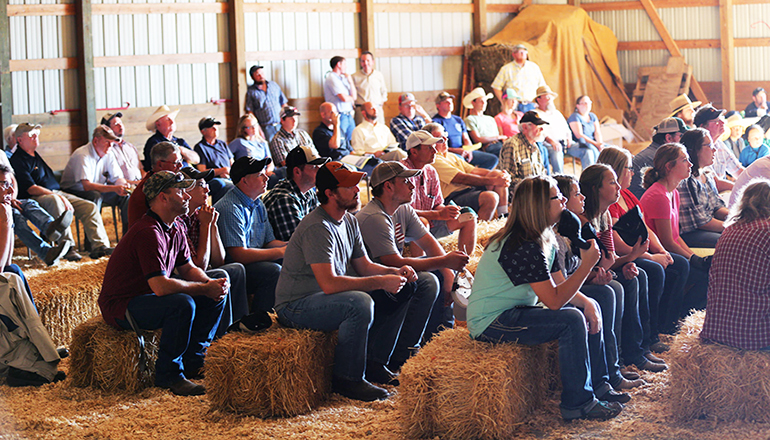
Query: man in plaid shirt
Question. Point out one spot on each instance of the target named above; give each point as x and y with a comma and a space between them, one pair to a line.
411, 117
521, 155
288, 137
294, 197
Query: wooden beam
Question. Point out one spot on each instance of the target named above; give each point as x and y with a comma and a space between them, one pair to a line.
366, 24
422, 7
301, 7
85, 45
479, 21
726, 32
633, 4
159, 8
279, 55
40, 10
162, 59
237, 56
43, 64
660, 45
503, 8
6, 90
420, 51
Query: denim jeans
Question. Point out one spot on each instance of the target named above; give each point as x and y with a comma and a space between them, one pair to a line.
188, 323
701, 239
351, 312
586, 155
537, 325
670, 304
442, 314
31, 210
261, 279
494, 148
398, 327
631, 332
270, 130
347, 124
610, 299
555, 157
649, 309
236, 303
484, 160
219, 187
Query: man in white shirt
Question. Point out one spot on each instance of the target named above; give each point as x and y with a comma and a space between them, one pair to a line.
370, 87
521, 75
373, 137
126, 155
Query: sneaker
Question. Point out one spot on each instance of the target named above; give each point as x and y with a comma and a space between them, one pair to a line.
659, 347
101, 251
378, 373
252, 323
628, 374
57, 252
72, 255
614, 396
56, 228
359, 390
652, 366
626, 384
184, 387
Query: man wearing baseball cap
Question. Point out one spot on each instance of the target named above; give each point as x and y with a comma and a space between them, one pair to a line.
125, 153
246, 232
214, 156
411, 116
725, 162
524, 155
521, 75
667, 131
139, 292
457, 133
294, 197
386, 223
264, 100
288, 137
326, 277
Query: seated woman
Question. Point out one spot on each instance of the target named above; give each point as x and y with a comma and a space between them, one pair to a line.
755, 137
660, 204
602, 190
701, 210
482, 128
599, 286
508, 118
249, 142
519, 295
586, 130
737, 309
666, 272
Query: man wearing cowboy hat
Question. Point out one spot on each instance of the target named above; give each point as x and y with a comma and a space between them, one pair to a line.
125, 153
521, 155
681, 107
521, 75
482, 128
411, 116
725, 162
758, 105
162, 122
457, 133
264, 99
669, 130
557, 134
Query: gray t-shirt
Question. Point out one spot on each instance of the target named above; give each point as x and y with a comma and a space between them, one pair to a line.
318, 239
385, 235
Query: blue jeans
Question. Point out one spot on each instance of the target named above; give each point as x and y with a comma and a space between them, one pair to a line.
631, 332
270, 130
442, 314
347, 124
351, 312
236, 303
494, 148
261, 279
671, 301
188, 323
556, 157
31, 210
537, 325
648, 310
484, 160
526, 107
586, 155
219, 187
610, 299
701, 239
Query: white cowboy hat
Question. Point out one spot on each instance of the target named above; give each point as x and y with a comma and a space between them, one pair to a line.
160, 112
478, 92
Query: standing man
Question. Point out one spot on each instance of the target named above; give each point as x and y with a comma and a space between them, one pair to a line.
521, 75
758, 105
264, 100
163, 122
340, 91
521, 155
138, 281
411, 117
288, 137
681, 107
370, 87
125, 153
215, 156
457, 133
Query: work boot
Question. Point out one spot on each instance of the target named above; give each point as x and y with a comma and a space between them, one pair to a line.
55, 253
56, 228
184, 387
359, 390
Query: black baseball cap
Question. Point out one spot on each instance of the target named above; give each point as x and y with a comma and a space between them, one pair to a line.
532, 117
207, 122
705, 114
192, 173
247, 165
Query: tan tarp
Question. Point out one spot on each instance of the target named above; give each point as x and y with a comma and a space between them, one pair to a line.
554, 36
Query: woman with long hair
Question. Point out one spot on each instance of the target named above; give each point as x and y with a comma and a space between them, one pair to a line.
248, 139
519, 295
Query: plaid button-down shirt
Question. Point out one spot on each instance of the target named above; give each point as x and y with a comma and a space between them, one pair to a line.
697, 202
283, 142
402, 127
521, 159
287, 206
266, 105
725, 161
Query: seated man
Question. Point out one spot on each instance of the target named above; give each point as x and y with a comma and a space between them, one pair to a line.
165, 156
457, 133
558, 135
326, 277
294, 197
247, 235
411, 117
482, 128
93, 174
125, 153
523, 155
669, 130
681, 107
288, 137
372, 137
330, 142
386, 222
36, 180
486, 191
163, 122
758, 105
138, 287
215, 156
725, 162
427, 200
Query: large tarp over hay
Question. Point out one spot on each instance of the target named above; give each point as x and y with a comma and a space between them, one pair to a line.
554, 36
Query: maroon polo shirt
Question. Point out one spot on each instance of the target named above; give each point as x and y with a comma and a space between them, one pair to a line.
149, 249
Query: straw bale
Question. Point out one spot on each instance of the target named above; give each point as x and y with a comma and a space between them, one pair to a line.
716, 381
66, 296
107, 358
484, 230
281, 372
458, 388
486, 62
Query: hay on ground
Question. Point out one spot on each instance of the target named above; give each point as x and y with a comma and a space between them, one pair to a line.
281, 372
716, 381
458, 388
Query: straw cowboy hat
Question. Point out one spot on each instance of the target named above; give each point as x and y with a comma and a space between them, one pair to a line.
160, 112
478, 92
680, 102
545, 90
735, 120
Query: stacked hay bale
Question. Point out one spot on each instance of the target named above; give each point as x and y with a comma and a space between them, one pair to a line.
486, 62
458, 388
280, 372
484, 230
66, 296
716, 381
106, 358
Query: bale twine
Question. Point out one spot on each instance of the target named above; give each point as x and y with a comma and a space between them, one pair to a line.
66, 296
716, 381
281, 372
458, 388
107, 358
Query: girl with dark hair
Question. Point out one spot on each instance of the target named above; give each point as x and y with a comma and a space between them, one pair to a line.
755, 148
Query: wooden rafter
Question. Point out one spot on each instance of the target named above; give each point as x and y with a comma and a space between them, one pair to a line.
237, 56
727, 44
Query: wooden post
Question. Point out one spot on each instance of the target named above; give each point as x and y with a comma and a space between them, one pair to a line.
85, 44
479, 21
727, 50
366, 23
6, 92
237, 57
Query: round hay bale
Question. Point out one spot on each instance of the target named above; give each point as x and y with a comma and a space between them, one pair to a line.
81, 369
281, 372
458, 388
716, 381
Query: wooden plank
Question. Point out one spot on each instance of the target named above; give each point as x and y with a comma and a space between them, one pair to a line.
43, 64
422, 7
479, 21
279, 55
420, 52
160, 8
237, 55
162, 59
85, 45
660, 45
6, 88
727, 52
39, 10
659, 91
503, 8
302, 7
366, 25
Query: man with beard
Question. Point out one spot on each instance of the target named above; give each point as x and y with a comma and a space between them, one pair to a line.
373, 137
264, 99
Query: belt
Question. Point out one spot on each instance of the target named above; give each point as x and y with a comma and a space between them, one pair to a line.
271, 125
347, 113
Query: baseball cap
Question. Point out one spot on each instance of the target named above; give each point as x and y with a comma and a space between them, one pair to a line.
757, 90
104, 131
247, 165
254, 68
163, 180
389, 170
406, 97
443, 96
670, 125
705, 114
289, 111
420, 137
109, 117
304, 154
26, 127
192, 173
518, 47
532, 117
334, 175
207, 122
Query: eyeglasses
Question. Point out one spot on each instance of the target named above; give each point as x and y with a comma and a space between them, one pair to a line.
4, 184
175, 163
